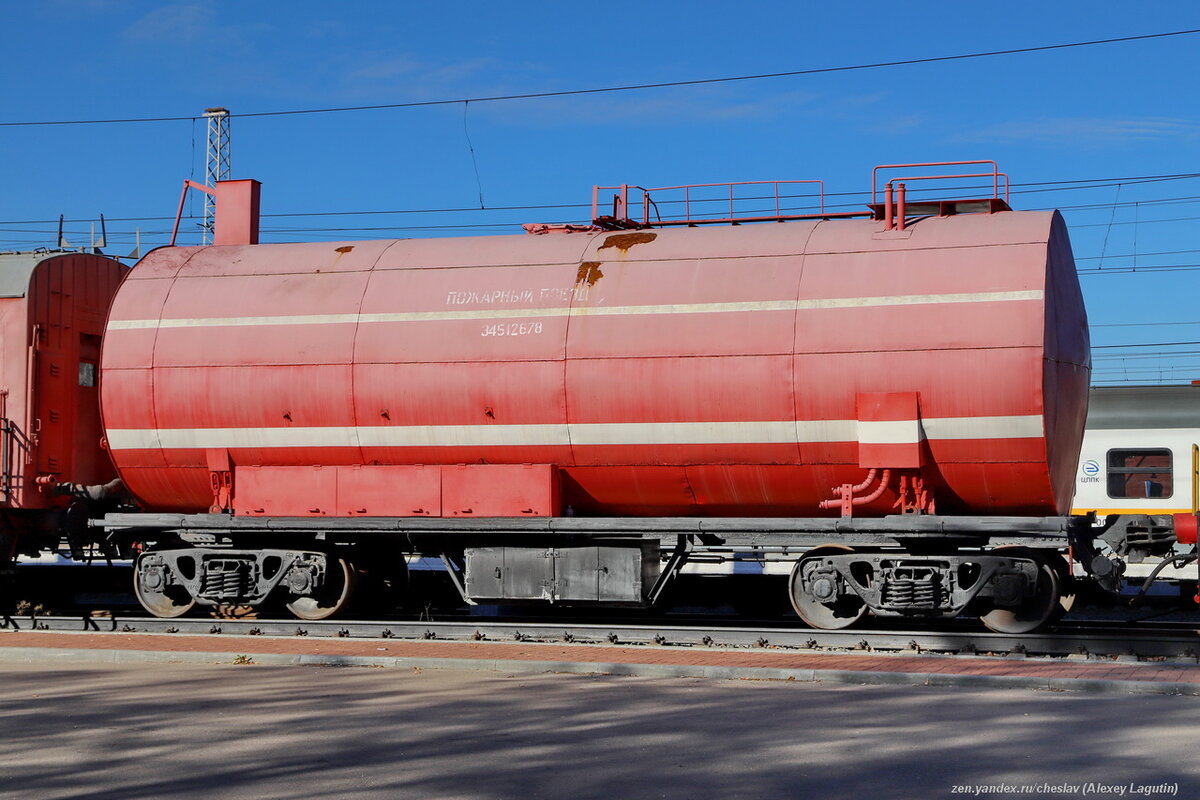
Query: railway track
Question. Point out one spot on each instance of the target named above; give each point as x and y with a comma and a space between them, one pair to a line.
1140, 641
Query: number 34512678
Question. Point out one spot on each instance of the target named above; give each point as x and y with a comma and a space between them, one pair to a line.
511, 329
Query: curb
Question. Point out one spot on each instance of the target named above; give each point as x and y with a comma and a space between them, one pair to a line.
27, 655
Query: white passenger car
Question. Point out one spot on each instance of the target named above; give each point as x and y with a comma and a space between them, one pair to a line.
1139, 452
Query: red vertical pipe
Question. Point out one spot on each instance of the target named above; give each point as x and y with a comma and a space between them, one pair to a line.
887, 208
900, 206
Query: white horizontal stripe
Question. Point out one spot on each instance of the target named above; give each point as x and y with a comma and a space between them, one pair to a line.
374, 436
136, 324
200, 438
684, 308
463, 435
921, 299
906, 431
583, 434
1024, 427
683, 433
826, 430
581, 311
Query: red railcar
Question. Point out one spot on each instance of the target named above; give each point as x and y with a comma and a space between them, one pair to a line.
52, 314
730, 371
911, 371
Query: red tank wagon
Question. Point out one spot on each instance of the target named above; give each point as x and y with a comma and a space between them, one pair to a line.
52, 315
724, 371
591, 389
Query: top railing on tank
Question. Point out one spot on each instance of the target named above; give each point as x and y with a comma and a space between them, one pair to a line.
633, 206
709, 204
896, 206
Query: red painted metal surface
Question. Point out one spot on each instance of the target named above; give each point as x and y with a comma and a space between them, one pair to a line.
895, 413
52, 310
1186, 528
461, 490
710, 371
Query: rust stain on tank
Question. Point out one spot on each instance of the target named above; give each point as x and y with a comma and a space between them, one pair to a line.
346, 248
624, 241
589, 272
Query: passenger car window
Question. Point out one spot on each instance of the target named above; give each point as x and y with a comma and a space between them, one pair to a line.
1141, 473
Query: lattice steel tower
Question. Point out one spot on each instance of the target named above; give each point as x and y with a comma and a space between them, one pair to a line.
216, 162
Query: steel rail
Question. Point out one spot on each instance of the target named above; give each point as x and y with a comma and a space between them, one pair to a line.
1130, 642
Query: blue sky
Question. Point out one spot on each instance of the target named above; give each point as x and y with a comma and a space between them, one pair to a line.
1091, 115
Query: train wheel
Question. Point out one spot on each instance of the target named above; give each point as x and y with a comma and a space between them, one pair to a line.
332, 598
157, 596
1035, 611
842, 612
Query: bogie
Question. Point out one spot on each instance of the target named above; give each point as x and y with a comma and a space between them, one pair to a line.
236, 582
1020, 589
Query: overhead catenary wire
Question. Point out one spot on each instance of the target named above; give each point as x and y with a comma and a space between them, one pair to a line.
1135, 223
1133, 369
1018, 188
633, 87
1131, 255
1109, 360
1140, 324
1146, 344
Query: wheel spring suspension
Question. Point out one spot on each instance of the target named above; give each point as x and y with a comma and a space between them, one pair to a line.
226, 579
914, 592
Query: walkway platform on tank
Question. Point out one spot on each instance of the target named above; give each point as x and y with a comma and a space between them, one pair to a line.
1051, 674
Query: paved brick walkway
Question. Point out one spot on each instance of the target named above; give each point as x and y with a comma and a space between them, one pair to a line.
496, 653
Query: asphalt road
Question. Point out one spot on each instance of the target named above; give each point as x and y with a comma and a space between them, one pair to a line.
205, 731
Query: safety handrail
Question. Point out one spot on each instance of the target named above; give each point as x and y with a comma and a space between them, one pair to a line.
621, 200
892, 210
14, 452
996, 194
995, 175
